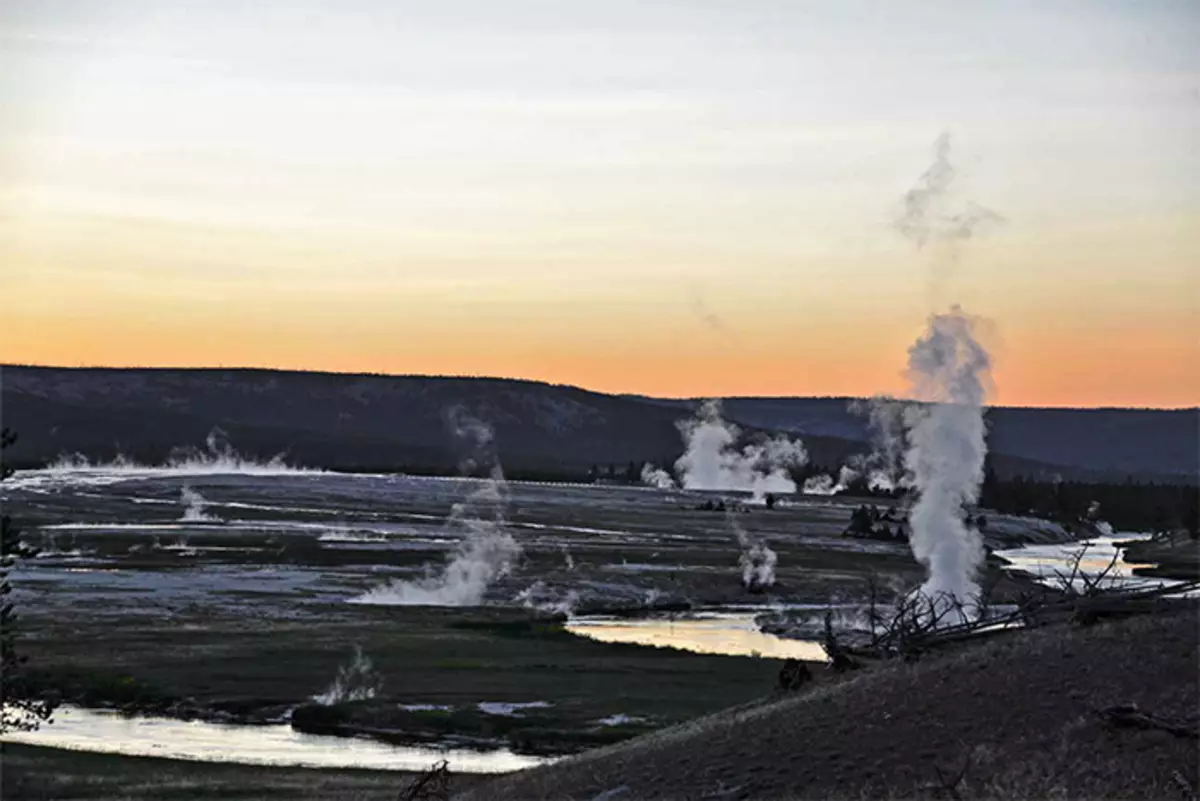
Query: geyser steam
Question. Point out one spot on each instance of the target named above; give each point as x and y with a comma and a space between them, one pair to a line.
194, 505
653, 476
826, 485
757, 559
949, 373
486, 551
711, 460
217, 457
883, 468
950, 370
356, 681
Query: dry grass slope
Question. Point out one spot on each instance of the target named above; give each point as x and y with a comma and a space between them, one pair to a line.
29, 773
1021, 710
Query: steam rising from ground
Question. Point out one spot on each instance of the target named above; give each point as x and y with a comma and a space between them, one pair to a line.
711, 460
218, 457
544, 599
948, 369
657, 477
356, 681
825, 485
486, 551
194, 505
883, 467
757, 560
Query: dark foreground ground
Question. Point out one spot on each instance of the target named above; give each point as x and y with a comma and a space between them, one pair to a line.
34, 773
1021, 709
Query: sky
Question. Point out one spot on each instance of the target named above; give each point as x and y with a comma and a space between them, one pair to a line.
669, 198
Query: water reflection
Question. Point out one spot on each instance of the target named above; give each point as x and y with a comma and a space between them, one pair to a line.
1047, 562
730, 634
280, 745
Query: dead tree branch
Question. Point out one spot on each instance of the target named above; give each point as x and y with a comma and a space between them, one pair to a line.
432, 785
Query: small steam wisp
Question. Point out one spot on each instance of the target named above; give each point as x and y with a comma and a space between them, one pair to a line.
194, 505
542, 598
711, 460
356, 681
757, 560
486, 551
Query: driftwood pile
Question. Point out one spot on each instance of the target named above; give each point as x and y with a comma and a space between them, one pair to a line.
432, 785
919, 622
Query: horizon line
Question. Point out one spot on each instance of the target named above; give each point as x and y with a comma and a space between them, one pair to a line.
482, 377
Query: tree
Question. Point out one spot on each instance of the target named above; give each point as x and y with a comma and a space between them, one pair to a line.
22, 706
1191, 512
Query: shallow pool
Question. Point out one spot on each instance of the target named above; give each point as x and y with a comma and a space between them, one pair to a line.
729, 633
276, 744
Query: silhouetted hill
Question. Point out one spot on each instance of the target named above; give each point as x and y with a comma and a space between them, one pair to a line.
334, 420
346, 421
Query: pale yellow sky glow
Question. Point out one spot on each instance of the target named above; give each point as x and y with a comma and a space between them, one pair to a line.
682, 198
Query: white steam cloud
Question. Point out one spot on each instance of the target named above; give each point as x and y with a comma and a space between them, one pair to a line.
757, 559
194, 505
884, 466
711, 460
486, 551
541, 598
925, 218
218, 457
826, 485
653, 476
949, 371
356, 681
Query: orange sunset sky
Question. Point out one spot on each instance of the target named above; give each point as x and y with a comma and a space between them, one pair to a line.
672, 198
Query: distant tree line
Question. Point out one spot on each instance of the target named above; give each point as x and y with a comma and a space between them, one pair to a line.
1128, 505
1124, 505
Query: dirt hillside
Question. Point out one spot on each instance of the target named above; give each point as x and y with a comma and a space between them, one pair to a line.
1021, 709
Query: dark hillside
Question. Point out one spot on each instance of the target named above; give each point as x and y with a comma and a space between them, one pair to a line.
369, 422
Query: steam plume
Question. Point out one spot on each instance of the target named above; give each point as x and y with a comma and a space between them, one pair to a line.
194, 505
884, 466
486, 551
757, 559
357, 681
657, 477
923, 217
950, 370
711, 460
543, 599
217, 457
825, 484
